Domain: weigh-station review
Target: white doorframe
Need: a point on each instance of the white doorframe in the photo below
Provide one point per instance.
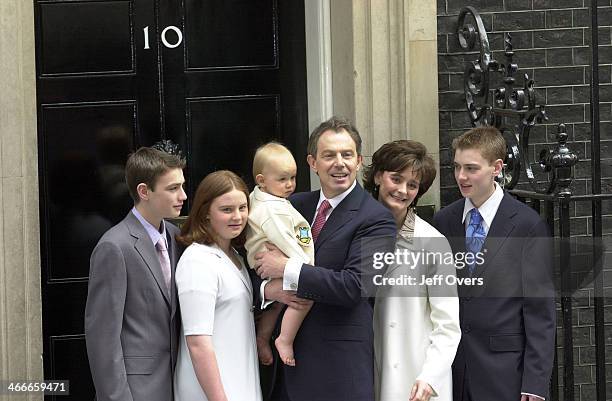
(318, 66)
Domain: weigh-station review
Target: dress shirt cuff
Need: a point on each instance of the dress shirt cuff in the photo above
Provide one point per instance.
(291, 277)
(264, 302)
(533, 395)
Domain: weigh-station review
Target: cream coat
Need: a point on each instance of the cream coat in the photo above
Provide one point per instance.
(416, 327)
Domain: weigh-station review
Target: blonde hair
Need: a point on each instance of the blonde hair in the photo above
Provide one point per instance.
(265, 154)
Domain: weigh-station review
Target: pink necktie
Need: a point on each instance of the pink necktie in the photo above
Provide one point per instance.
(320, 220)
(164, 260)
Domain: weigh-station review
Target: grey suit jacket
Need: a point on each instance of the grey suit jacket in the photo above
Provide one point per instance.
(131, 319)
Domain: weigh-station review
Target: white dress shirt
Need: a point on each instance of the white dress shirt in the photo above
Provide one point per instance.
(487, 210)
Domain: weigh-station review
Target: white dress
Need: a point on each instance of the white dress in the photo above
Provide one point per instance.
(216, 299)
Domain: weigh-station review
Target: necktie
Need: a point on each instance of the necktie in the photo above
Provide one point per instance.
(320, 220)
(164, 260)
(474, 237)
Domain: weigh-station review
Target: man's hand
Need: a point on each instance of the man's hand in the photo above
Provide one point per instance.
(421, 391)
(271, 263)
(274, 291)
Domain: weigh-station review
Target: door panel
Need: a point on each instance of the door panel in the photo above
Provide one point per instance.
(235, 81)
(84, 172)
(224, 131)
(213, 24)
(70, 356)
(107, 27)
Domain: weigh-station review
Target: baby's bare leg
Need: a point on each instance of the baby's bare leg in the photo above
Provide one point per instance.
(292, 320)
(265, 327)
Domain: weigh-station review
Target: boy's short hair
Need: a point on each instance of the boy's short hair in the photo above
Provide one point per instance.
(146, 165)
(335, 124)
(265, 153)
(487, 140)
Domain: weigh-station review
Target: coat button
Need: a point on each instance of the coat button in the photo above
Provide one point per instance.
(293, 286)
(467, 328)
(392, 324)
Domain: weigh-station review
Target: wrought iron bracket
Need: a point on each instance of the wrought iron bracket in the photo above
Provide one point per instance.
(166, 145)
(514, 111)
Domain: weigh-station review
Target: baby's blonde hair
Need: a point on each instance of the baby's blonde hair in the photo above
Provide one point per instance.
(265, 153)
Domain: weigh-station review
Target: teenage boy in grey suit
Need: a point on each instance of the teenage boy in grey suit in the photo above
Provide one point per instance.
(131, 320)
(508, 320)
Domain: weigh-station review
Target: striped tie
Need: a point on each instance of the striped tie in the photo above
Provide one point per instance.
(319, 222)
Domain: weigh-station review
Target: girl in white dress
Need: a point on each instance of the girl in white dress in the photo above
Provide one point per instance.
(217, 358)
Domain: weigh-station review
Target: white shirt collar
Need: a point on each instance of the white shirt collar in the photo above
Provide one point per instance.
(335, 201)
(488, 209)
(153, 233)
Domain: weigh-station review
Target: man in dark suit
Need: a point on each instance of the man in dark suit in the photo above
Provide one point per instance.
(334, 346)
(131, 322)
(507, 310)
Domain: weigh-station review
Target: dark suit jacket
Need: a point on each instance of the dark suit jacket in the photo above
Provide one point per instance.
(334, 346)
(131, 321)
(508, 323)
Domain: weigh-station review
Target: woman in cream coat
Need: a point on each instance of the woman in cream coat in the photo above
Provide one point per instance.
(416, 314)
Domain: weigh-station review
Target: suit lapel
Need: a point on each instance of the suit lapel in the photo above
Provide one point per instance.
(341, 214)
(173, 261)
(457, 239)
(239, 272)
(145, 248)
(245, 280)
(308, 207)
(458, 227)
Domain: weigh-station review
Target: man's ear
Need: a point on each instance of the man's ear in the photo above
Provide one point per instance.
(359, 160)
(259, 180)
(311, 162)
(143, 191)
(498, 165)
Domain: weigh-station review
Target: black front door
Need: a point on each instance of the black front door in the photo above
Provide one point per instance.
(218, 77)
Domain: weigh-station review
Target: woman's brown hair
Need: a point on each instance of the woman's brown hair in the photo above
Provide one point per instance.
(197, 227)
(396, 156)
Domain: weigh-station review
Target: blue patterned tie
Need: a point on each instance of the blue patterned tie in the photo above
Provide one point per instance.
(474, 236)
